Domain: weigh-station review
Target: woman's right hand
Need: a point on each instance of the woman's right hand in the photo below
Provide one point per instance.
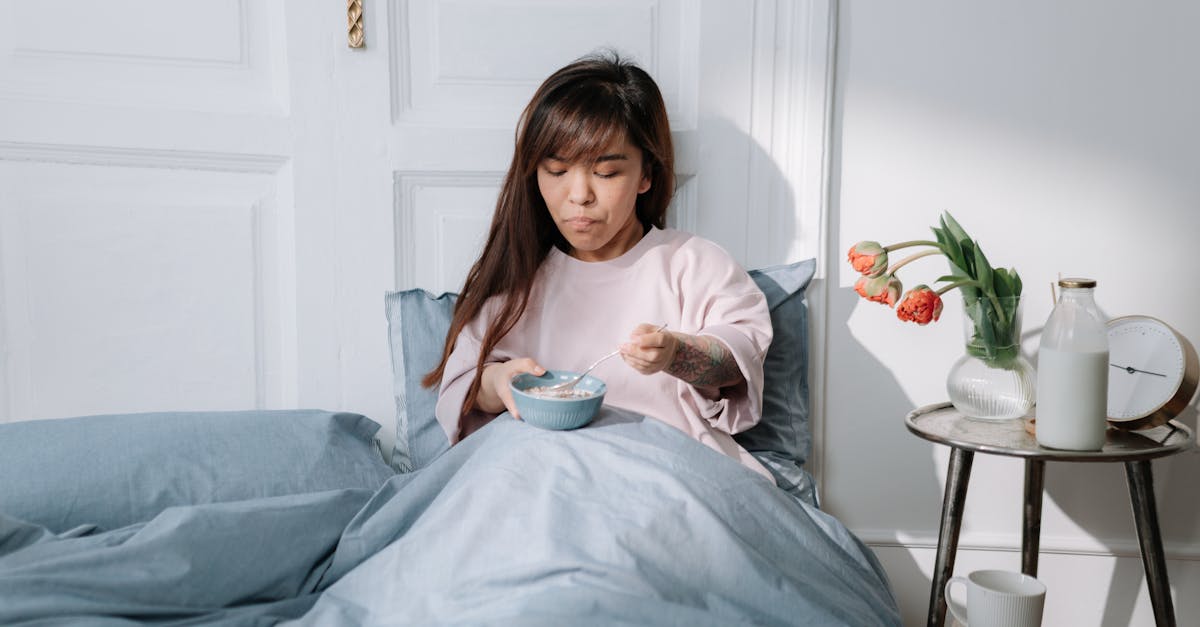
(494, 394)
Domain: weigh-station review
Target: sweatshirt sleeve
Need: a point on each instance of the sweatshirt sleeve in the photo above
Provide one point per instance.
(726, 304)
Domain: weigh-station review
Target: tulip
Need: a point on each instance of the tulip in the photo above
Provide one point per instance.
(921, 305)
(883, 289)
(871, 259)
(868, 258)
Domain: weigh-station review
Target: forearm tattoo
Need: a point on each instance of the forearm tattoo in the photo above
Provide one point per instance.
(704, 362)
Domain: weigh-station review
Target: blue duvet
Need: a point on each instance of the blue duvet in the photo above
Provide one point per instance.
(625, 522)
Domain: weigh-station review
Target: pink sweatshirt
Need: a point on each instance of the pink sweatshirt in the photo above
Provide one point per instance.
(579, 311)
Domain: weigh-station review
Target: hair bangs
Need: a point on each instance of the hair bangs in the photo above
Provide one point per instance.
(578, 130)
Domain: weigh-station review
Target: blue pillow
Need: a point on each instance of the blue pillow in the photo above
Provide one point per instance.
(418, 323)
(116, 470)
(782, 441)
(417, 326)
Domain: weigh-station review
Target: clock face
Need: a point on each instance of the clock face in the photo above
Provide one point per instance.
(1146, 366)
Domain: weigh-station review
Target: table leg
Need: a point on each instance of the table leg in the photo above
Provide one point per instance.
(957, 477)
(1031, 523)
(1145, 517)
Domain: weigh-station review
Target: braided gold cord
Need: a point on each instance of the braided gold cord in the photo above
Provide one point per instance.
(354, 19)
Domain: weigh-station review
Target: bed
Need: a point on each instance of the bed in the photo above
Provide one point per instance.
(294, 516)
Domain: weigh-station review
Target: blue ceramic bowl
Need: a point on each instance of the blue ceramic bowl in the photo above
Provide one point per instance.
(557, 413)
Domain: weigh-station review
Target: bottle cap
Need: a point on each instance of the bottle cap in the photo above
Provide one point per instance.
(1077, 282)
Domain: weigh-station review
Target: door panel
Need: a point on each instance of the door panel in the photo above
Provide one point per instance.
(438, 213)
(466, 63)
(140, 227)
(134, 289)
(197, 55)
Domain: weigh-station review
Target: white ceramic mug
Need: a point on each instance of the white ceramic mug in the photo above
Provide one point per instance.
(1000, 598)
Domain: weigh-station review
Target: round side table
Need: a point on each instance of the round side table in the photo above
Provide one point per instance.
(943, 424)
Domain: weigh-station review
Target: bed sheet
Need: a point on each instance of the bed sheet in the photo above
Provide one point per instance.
(627, 521)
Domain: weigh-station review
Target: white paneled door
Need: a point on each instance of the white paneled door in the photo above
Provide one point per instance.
(143, 245)
(202, 209)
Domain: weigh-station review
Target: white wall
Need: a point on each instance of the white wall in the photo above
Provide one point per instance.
(1064, 137)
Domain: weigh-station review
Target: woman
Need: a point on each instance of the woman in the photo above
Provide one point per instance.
(578, 257)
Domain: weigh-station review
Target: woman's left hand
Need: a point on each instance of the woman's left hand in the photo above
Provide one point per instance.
(649, 350)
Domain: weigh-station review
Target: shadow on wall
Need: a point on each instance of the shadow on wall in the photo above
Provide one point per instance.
(892, 441)
(907, 457)
(740, 199)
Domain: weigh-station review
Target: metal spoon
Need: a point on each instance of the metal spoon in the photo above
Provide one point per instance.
(566, 385)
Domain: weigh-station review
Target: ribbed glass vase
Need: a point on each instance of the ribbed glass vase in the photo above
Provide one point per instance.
(992, 380)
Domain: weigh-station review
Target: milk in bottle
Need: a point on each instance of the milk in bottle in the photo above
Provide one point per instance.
(1072, 383)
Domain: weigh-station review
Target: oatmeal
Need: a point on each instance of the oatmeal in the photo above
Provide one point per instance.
(545, 391)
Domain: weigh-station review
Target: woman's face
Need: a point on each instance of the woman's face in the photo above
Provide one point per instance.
(593, 204)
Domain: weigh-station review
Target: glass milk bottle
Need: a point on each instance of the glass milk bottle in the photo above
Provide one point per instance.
(1072, 382)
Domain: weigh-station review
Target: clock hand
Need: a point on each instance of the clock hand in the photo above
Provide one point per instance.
(1131, 370)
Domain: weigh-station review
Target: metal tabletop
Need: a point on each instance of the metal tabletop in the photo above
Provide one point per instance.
(943, 424)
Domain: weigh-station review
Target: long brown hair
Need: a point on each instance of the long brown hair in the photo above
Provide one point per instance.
(574, 115)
